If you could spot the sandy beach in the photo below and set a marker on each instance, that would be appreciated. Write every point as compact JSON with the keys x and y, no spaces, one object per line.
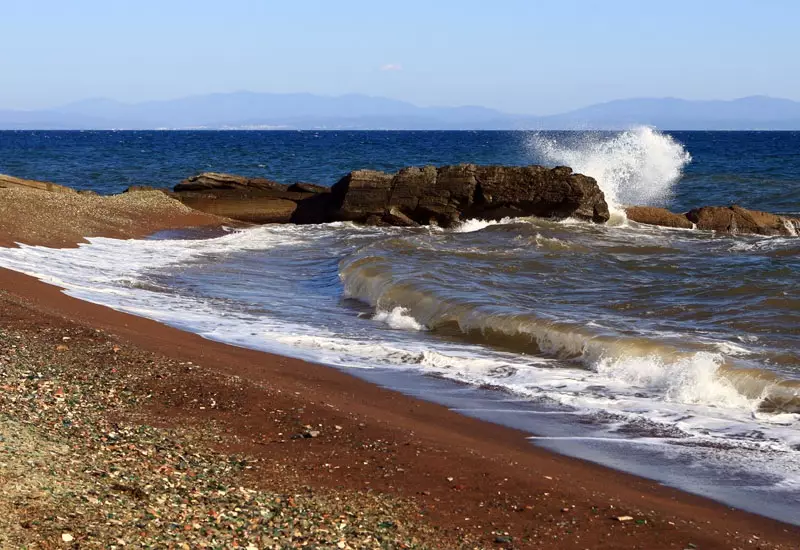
{"x":118,"y":430}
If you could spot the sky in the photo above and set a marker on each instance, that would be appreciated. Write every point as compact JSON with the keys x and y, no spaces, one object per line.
{"x":528,"y":57}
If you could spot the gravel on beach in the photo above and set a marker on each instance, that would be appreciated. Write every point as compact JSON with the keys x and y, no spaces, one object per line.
{"x":62,"y":219}
{"x":81,"y":465}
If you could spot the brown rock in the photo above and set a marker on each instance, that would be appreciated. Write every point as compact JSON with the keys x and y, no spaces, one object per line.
{"x":395,"y":217}
{"x":254,"y":200}
{"x":737,"y":220}
{"x":12,"y":182}
{"x":212,"y":181}
{"x":446,"y":194}
{"x":302,"y":187}
{"x":246,"y":209}
{"x":537,"y":191}
{"x":651,"y":215}
{"x":360,"y":194}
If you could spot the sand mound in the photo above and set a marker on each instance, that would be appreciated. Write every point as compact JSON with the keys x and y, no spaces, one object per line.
{"x":34,"y":216}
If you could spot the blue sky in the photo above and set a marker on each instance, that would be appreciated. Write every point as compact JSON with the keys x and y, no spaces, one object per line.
{"x":537,"y":57}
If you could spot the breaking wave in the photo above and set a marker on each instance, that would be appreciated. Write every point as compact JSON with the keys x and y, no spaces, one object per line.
{"x":692,"y":373}
{"x":639,"y":166}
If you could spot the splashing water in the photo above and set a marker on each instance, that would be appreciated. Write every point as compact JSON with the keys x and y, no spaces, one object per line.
{"x":639,"y":166}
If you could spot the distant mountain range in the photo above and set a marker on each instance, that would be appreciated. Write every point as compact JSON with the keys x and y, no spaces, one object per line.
{"x":248,"y":110}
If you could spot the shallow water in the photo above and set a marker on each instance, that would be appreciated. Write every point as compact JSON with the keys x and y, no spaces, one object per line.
{"x":647,"y":349}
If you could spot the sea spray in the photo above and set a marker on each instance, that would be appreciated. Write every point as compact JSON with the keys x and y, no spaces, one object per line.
{"x":639,"y":166}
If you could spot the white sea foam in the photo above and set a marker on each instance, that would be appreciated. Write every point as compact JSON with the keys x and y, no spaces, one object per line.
{"x":603,"y":377}
{"x":475,"y":224}
{"x":398,"y":318}
{"x":639,"y":166}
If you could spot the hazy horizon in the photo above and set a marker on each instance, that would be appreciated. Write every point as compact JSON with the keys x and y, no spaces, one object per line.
{"x":519,"y":57}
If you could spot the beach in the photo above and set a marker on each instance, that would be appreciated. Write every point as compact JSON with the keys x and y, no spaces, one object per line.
{"x":406,"y":472}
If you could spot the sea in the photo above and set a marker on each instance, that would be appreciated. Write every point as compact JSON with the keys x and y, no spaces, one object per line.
{"x":669,"y":353}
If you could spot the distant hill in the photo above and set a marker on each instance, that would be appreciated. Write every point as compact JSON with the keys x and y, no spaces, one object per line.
{"x":748,"y":113}
{"x":249,"y":110}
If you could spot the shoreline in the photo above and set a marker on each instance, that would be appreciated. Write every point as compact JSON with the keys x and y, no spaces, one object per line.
{"x":458,"y":482}
{"x":453,"y":466}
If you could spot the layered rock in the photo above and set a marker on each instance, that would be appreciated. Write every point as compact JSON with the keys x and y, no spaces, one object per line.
{"x":10,"y":182}
{"x":254,"y":200}
{"x":212,"y":181}
{"x":448,"y":194}
{"x":412,"y":196}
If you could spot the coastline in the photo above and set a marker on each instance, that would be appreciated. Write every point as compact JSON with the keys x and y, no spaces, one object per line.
{"x":452,"y":467}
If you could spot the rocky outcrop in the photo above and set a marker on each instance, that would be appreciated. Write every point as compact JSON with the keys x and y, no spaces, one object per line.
{"x":413,"y":196}
{"x":448,"y":194}
{"x":737,"y":220}
{"x":651,"y":215}
{"x":12,"y":182}
{"x":733,"y":220}
{"x":212,"y":181}
{"x":254,"y":200}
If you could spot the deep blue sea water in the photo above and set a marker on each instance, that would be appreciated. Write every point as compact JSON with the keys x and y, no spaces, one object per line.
{"x":754,"y":169}
{"x":674,"y":354}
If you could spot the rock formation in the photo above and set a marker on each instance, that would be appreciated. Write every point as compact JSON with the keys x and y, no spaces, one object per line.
{"x":722,"y":219}
{"x":444,"y":196}
{"x":12,"y":182}
{"x":254,"y":200}
{"x":412,"y":196}
{"x":651,"y":215}
{"x":735,"y":219}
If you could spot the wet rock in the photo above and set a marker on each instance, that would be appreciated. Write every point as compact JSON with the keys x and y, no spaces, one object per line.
{"x":651,"y":215}
{"x":737,"y":220}
{"x":448,"y":194}
{"x":395,"y":217}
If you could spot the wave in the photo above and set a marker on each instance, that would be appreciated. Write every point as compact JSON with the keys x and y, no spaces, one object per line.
{"x":398,"y":318}
{"x":639,"y":166}
{"x":694,"y":373}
